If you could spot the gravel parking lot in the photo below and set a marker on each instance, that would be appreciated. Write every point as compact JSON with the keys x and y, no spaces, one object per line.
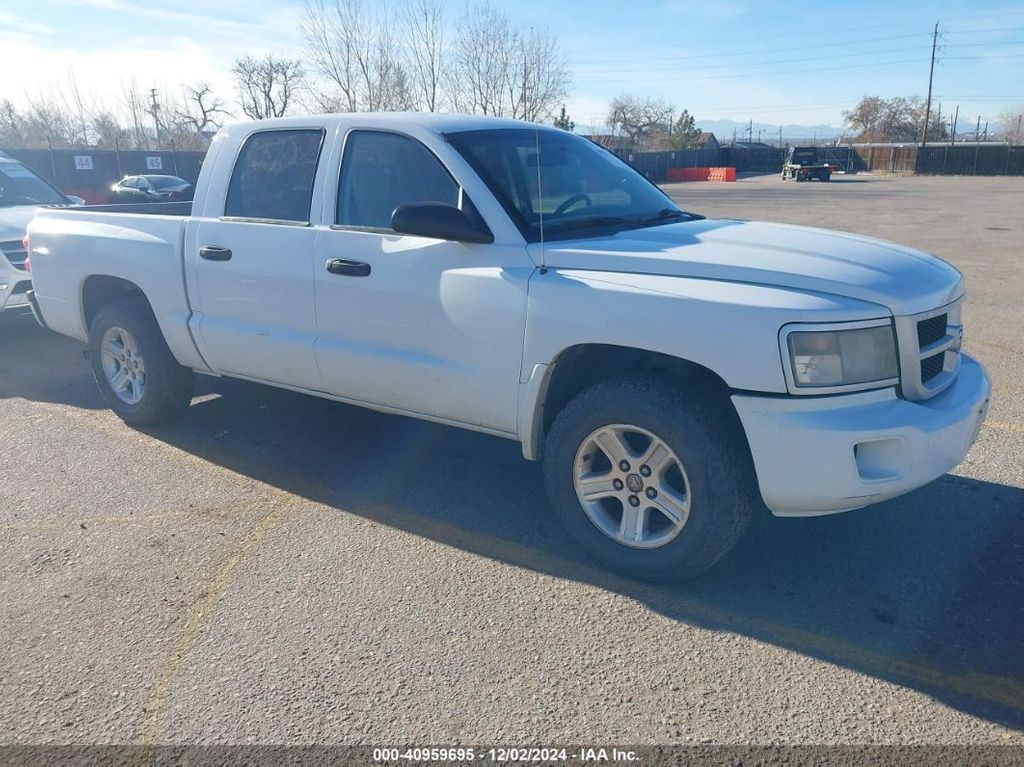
{"x":280,"y":569}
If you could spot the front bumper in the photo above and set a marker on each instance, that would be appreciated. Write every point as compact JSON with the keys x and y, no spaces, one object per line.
{"x":14,"y":286}
{"x":821,"y":455}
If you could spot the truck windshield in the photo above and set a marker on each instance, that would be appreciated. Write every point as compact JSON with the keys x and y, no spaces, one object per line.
{"x":571,"y":186}
{"x":20,"y":186}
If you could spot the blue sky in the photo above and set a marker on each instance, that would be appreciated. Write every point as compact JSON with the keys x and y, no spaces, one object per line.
{"x":783,"y":62}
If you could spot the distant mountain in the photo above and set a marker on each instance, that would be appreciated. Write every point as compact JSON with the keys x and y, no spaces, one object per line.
{"x":723,"y":130}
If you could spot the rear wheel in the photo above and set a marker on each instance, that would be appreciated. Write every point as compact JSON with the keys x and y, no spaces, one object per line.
{"x":134,"y":370}
{"x":652,"y":481}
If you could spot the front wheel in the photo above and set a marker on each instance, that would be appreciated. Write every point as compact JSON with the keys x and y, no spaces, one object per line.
{"x":135,"y":371}
{"x":652,"y":480}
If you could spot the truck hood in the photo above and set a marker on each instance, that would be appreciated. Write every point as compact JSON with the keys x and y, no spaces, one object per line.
{"x":14,"y":220}
{"x":904,"y":280}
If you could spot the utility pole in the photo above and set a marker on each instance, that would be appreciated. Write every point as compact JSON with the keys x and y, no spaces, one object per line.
{"x":780,"y":137}
{"x":931,"y":74}
{"x":977,"y":130}
{"x":750,"y":132}
{"x":985,"y":134}
{"x":952,"y":133}
{"x":156,"y":114}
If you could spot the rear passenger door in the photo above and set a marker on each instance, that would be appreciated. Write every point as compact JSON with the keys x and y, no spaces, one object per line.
{"x":251,"y":269}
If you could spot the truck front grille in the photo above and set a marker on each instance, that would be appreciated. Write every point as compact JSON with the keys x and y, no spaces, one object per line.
{"x":15,"y":253}
{"x":931,"y":330}
{"x":929,"y":349}
{"x":932,"y":366}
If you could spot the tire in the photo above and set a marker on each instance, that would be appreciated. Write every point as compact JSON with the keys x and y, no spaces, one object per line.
{"x":702,"y":432}
{"x":161,"y":389}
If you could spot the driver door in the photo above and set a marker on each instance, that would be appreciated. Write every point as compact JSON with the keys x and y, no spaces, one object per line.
{"x":413,"y":323}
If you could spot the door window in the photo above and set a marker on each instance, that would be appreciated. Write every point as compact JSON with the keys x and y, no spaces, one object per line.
{"x":381,"y":171}
{"x":273,"y":176}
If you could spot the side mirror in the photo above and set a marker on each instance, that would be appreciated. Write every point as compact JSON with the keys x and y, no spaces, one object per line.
{"x":439,"y":221}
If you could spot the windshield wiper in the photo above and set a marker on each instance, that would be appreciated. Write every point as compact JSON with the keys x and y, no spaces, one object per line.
{"x":669,"y":214}
{"x":581,"y":223}
{"x":663,"y":216}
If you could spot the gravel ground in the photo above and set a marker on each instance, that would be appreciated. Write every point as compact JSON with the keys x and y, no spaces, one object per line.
{"x":281,"y":569}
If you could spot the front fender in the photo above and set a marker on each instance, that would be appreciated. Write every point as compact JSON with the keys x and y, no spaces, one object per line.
{"x":730,"y":328}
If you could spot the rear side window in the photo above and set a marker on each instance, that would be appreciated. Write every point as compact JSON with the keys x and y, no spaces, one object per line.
{"x":381,"y":171}
{"x":273,"y":176}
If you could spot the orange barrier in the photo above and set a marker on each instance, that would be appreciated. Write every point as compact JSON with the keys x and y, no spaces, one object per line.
{"x":701,"y":174}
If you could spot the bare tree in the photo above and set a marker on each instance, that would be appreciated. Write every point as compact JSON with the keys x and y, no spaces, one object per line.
{"x":267,"y":86}
{"x":896,"y":119}
{"x":201,"y":110}
{"x":137,"y":111}
{"x":107,"y":129}
{"x":485,"y":45}
{"x":538,"y":78}
{"x":11,"y":134}
{"x":423,"y":27}
{"x":49,"y":121}
{"x":638,"y":118}
{"x":356,"y":52}
{"x":866,"y":117}
{"x":1011,"y":125}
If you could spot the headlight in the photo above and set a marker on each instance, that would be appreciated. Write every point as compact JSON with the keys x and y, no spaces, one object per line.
{"x":842,"y":357}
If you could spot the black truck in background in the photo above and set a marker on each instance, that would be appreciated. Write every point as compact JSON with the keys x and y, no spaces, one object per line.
{"x":804,"y":164}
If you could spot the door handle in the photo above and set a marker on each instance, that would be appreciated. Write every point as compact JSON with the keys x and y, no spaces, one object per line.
{"x":215,"y":253}
{"x":347,"y":268}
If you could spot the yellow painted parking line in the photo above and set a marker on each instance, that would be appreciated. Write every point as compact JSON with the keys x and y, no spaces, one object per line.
{"x":196,"y":616}
{"x":1005,"y":691}
{"x":1004,"y":426}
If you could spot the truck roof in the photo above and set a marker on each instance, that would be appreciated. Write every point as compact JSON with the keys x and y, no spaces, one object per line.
{"x":432,"y":121}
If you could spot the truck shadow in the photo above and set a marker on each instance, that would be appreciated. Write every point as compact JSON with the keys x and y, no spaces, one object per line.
{"x":924,"y":591}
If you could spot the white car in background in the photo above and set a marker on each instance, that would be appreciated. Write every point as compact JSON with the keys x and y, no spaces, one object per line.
{"x":21,"y":192}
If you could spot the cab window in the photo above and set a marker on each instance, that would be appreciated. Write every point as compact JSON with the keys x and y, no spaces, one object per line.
{"x":380,"y":171}
{"x":273,"y":176}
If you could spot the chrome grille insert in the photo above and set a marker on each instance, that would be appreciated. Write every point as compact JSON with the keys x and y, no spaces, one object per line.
{"x":15,"y":253}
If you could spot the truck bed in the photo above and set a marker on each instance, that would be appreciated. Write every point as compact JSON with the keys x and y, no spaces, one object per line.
{"x":76,"y":249}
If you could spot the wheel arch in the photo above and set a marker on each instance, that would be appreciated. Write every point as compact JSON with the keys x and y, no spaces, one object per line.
{"x":582,"y":365}
{"x":98,"y":290}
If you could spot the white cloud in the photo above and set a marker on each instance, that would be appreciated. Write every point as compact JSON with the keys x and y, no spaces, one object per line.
{"x":13,"y":26}
{"x":101,"y":75}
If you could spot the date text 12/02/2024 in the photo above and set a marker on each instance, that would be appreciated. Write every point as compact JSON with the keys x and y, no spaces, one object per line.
{"x":504,"y":754}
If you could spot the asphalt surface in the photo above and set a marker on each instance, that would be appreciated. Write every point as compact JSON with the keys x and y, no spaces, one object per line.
{"x":280,"y":569}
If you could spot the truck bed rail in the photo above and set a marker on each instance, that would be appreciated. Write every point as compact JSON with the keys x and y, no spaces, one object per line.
{"x":183,"y":208}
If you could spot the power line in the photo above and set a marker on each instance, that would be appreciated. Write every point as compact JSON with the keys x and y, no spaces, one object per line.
{"x":754,"y":73}
{"x":754,"y":52}
{"x":763,"y":73}
{"x":856,"y":54}
{"x":657,"y":62}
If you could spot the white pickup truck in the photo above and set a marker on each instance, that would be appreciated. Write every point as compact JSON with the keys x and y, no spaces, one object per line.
{"x":671,"y":372}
